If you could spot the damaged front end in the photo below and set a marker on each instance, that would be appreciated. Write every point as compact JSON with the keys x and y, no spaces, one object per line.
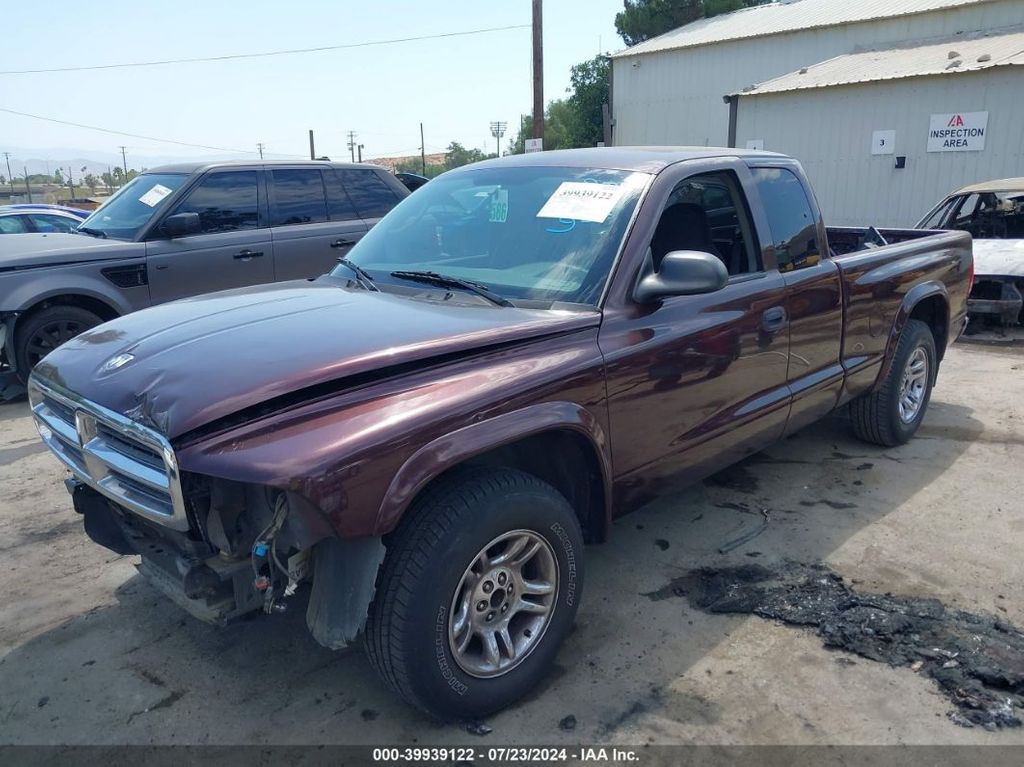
{"x":217,"y":548}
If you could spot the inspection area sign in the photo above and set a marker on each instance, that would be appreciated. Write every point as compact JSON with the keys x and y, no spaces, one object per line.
{"x":958,"y":132}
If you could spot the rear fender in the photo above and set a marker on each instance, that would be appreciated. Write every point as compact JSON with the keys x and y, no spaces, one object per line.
{"x":914,"y":296}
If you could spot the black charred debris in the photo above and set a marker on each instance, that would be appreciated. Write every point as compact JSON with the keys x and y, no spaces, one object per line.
{"x":977,"y":661}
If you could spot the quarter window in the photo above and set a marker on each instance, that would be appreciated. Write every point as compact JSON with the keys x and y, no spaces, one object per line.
{"x":225,"y":202}
{"x":298,"y":197}
{"x":372,"y":197}
{"x":792,"y":220}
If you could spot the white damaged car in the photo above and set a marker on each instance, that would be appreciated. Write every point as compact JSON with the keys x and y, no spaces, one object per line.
{"x":993,"y":212}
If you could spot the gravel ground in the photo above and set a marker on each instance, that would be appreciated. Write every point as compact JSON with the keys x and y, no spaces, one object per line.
{"x":89,"y":653}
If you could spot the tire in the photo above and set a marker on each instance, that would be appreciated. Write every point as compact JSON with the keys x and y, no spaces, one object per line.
{"x":426,"y":572}
{"x":44,"y":331}
{"x":877,"y":417}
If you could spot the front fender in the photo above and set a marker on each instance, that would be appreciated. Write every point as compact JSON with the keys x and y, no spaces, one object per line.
{"x":21,"y":290}
{"x":452,"y":449}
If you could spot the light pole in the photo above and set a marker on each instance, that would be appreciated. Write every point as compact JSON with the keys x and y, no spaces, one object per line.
{"x":498,"y":130}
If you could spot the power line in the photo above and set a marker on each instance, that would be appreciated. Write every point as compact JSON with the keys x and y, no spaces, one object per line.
{"x":130,"y":135}
{"x":235,"y":56}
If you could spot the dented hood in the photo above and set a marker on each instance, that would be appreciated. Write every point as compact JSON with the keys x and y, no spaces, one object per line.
{"x":181,"y":365}
{"x":999,"y":258}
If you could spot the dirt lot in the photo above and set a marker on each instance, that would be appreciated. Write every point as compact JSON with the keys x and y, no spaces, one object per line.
{"x":91,"y":654}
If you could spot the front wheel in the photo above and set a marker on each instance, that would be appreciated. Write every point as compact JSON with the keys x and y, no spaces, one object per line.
{"x":42,"y":332}
{"x":892,"y":414}
{"x":478,"y":590}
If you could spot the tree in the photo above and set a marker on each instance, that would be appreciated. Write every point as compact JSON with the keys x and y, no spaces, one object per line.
{"x":108,"y":179}
{"x":91,"y":181}
{"x":57,"y":177}
{"x":118,"y":175}
{"x":643,"y":19}
{"x":588,"y":92}
{"x":559,"y":120}
{"x":457,"y":155}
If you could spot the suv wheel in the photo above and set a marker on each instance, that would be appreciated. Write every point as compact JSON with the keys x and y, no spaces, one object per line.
{"x":891,"y":415}
{"x":42,"y":332}
{"x":477,"y":592}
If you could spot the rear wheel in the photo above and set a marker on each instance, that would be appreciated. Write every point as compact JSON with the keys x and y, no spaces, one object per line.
{"x":892,"y":414}
{"x":478,"y":590}
{"x":42,"y":332}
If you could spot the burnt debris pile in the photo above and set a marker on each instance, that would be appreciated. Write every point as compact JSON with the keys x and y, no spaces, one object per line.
{"x":977,"y":660}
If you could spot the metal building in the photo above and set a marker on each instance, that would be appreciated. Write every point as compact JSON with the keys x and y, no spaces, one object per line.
{"x":672,"y":89}
{"x":885,"y":134}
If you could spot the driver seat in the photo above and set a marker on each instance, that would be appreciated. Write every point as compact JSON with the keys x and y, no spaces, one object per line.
{"x":683,"y":226}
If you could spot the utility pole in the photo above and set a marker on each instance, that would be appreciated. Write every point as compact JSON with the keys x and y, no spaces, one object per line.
{"x":538,"y":71}
{"x":28,"y":189}
{"x":360,"y":148}
{"x":352,"y":144}
{"x":312,"y":151}
{"x":498,"y":130}
{"x":124,"y":163}
{"x":10,"y":177}
{"x":260,"y":145}
{"x":423,"y":153}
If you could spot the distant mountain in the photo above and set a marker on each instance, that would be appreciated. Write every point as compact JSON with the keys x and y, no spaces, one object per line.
{"x":37,"y":160}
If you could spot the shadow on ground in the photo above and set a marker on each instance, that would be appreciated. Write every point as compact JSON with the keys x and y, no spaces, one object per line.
{"x":138,"y":670}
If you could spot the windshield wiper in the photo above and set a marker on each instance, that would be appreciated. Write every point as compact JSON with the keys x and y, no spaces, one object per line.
{"x":448,"y":281}
{"x":362,"y":277}
{"x":94,"y":232}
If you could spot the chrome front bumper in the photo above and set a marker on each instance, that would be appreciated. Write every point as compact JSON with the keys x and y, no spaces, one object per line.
{"x":132,"y":465}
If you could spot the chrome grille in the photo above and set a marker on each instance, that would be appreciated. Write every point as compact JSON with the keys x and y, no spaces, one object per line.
{"x":129,"y":463}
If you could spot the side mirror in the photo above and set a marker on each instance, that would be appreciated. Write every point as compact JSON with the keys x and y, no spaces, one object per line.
{"x":683,"y":273}
{"x":181,"y":224}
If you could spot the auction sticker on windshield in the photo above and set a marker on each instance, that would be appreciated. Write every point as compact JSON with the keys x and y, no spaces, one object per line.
{"x":582,"y":201}
{"x":154,"y":195}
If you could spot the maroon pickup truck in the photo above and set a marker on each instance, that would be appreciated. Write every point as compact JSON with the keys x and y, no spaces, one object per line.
{"x":521,"y":351}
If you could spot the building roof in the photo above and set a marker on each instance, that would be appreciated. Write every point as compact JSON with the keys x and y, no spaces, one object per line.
{"x":947,"y":57}
{"x":1000,"y":185}
{"x":777,"y":18}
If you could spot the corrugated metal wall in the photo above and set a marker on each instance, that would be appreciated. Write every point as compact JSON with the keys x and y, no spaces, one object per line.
{"x":829,"y":131}
{"x":675,"y":97}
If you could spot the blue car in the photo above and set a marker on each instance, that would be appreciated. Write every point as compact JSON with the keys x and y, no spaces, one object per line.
{"x":21,"y":218}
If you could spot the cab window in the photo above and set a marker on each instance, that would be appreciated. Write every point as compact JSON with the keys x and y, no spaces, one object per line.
{"x":794,"y":226}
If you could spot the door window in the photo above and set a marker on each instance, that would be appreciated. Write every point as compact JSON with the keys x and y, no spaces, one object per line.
{"x":298,"y":197}
{"x":790,"y":216}
{"x":964,"y":213}
{"x":707,"y":213}
{"x":225,"y":202}
{"x":372,"y":197}
{"x":339,"y":205}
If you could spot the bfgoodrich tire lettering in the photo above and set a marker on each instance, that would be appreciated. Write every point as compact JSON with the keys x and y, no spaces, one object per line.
{"x":407,"y":636}
{"x":892,"y":414}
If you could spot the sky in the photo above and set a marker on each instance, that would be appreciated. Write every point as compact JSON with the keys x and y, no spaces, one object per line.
{"x":455,"y":86}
